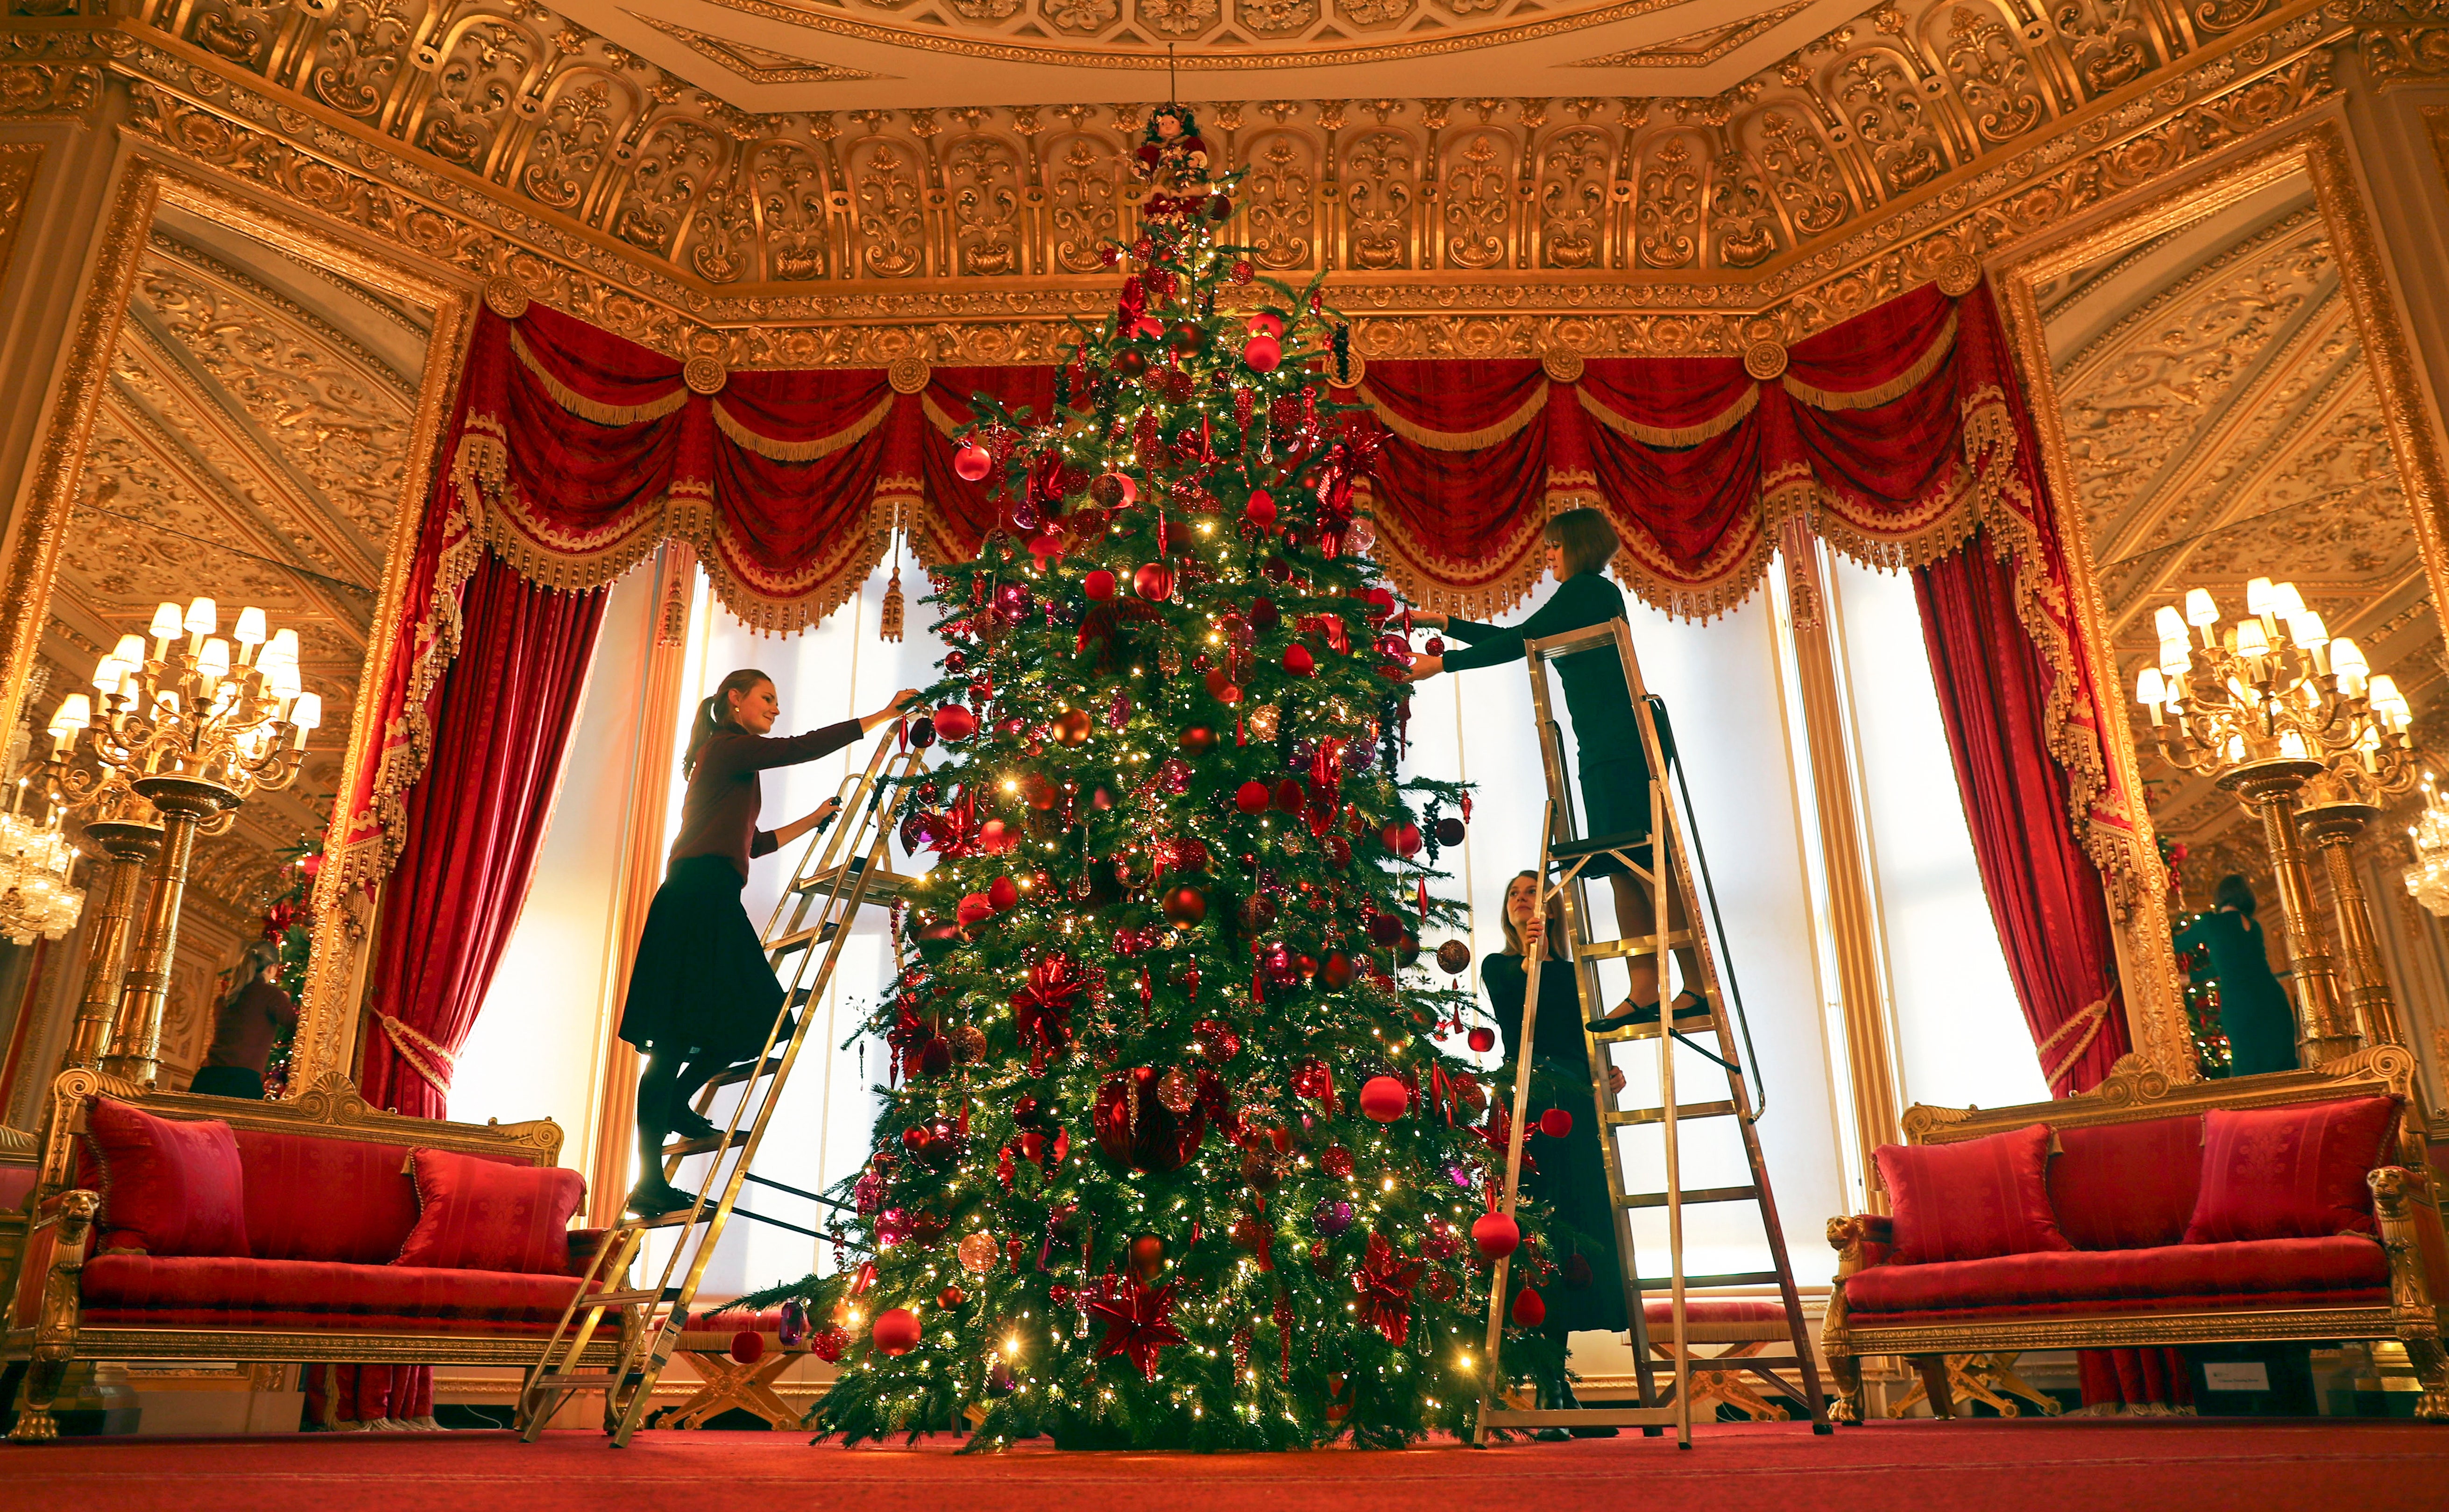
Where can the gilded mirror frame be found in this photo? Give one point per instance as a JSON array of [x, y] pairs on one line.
[[325, 1035], [2317, 150]]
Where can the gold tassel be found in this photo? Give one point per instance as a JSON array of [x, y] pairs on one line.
[[888, 624]]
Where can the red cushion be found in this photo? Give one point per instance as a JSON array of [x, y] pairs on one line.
[[309, 1199], [479, 1215], [2344, 1262], [2127, 1186], [168, 1186], [2290, 1172], [1971, 1200], [2219, 1306], [133, 1290]]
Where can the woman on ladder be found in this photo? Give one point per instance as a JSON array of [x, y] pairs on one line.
[[1571, 1179], [1613, 769], [701, 993]]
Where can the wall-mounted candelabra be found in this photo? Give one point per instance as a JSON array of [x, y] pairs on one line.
[[2299, 728]]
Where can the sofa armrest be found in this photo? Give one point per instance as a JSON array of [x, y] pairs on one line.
[[584, 1246], [2399, 1205], [1862, 1241], [48, 1275]]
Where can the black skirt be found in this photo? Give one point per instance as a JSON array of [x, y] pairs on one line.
[[701, 984]]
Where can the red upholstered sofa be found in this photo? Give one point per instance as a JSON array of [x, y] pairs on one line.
[[2090, 1223], [297, 1254]]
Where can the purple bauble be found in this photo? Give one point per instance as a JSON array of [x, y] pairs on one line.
[[1458, 1177], [1331, 1217], [1357, 756]]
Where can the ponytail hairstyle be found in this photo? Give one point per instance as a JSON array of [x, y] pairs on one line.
[[714, 712]]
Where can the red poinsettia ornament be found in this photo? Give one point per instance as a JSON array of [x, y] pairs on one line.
[[1385, 1281], [1139, 1320]]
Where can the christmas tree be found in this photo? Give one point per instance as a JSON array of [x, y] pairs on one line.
[[1169, 1156]]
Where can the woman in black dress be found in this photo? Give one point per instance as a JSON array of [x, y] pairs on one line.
[[1572, 1178], [702, 994], [1612, 767], [2253, 1008]]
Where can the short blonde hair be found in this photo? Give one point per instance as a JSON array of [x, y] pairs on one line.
[[1589, 539]]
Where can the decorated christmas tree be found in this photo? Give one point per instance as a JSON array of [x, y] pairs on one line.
[[1169, 1155]]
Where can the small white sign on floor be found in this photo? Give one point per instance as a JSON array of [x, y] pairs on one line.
[[2236, 1376]]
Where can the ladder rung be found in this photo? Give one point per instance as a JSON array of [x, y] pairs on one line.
[[1625, 1117], [1694, 1282], [883, 886], [1621, 1030], [624, 1299], [1634, 950], [1597, 844], [771, 1065], [799, 940], [678, 1218], [712, 1141], [1699, 1194]]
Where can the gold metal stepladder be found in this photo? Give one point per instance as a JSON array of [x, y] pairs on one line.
[[1567, 862], [841, 871]]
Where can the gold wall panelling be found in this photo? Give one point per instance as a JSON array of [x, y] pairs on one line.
[[2222, 392], [248, 411], [1884, 135], [19, 160]]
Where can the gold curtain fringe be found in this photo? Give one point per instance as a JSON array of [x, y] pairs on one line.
[[2089, 1019], [810, 450], [1487, 435], [421, 1055], [941, 418], [1896, 388], [586, 409], [771, 616], [1723, 592], [1690, 435]]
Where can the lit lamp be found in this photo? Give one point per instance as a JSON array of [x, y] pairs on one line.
[[2427, 881], [191, 725], [2265, 708]]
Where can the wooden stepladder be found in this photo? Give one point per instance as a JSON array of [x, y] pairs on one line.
[[1567, 861], [841, 871]]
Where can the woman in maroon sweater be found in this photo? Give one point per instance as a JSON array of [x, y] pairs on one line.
[[702, 994]]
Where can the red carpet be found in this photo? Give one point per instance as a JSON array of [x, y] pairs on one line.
[[2080, 1465]]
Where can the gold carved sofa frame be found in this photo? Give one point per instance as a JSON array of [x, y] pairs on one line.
[[2406, 1203]]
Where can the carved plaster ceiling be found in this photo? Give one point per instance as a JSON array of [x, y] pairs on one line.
[[940, 53], [2221, 425], [250, 448]]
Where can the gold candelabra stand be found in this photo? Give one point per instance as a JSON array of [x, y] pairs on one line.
[[187, 729], [2265, 708]]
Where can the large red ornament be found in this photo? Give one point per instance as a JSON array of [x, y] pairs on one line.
[[1073, 727], [1337, 971], [974, 908], [1185, 905], [953, 723], [1483, 1039], [1528, 1311], [1260, 510], [1298, 662], [895, 1331], [1403, 839], [1384, 1098], [971, 462], [1495, 1236], [1264, 353], [1253, 798], [995, 837], [748, 1345], [1148, 1255], [1002, 893], [1099, 585], [1153, 581], [1555, 1124]]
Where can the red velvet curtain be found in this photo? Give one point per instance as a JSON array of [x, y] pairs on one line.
[[474, 825]]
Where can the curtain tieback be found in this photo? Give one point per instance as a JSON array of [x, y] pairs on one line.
[[2089, 1019], [423, 1055]]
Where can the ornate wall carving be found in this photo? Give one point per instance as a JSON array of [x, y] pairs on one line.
[[19, 162]]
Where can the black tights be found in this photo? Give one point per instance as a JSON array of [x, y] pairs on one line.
[[665, 1087]]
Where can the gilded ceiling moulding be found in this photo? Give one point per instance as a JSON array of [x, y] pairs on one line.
[[382, 166]]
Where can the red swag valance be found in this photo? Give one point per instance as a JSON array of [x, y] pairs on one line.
[[572, 452]]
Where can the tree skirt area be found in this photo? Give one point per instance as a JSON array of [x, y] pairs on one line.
[[2165, 1465]]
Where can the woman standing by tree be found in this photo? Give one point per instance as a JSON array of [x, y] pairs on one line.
[[702, 994]]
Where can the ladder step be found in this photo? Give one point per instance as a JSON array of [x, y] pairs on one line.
[[799, 940], [1597, 844], [1627, 1118], [1621, 1031], [1694, 1283], [1699, 1194], [1635, 948], [712, 1141], [626, 1299], [769, 1066], [679, 1219], [885, 885]]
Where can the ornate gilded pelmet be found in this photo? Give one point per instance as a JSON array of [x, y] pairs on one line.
[[380, 164]]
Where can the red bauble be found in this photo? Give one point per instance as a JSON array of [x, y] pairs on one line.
[[1153, 581], [1454, 957], [1528, 1310], [1495, 1236], [1198, 740], [971, 462], [895, 1331], [1264, 353], [1339, 852], [936, 1057], [748, 1347], [1222, 688], [1260, 510], [1483, 1039], [1555, 1124], [1385, 929], [1403, 839], [1336, 1162], [952, 1296], [1185, 905], [1002, 893], [1253, 798], [1298, 662], [953, 722], [1336, 973], [917, 1139], [1073, 727], [1289, 797], [1384, 1098], [975, 910], [995, 837], [1148, 1255], [1098, 585], [1263, 614]]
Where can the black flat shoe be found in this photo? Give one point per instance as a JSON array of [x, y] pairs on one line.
[[653, 1199], [689, 1124]]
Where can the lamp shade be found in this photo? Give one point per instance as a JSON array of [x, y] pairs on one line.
[[168, 621], [2150, 688], [203, 617], [250, 626], [2200, 609]]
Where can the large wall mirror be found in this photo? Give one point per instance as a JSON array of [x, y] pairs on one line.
[[2224, 443], [256, 437]]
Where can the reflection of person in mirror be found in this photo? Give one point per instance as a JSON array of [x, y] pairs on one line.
[[702, 994], [1613, 769], [251, 1019], [2253, 1010], [1571, 1177]]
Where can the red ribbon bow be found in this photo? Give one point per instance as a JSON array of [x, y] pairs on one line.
[[1138, 1321], [1385, 1281], [1041, 1012]]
